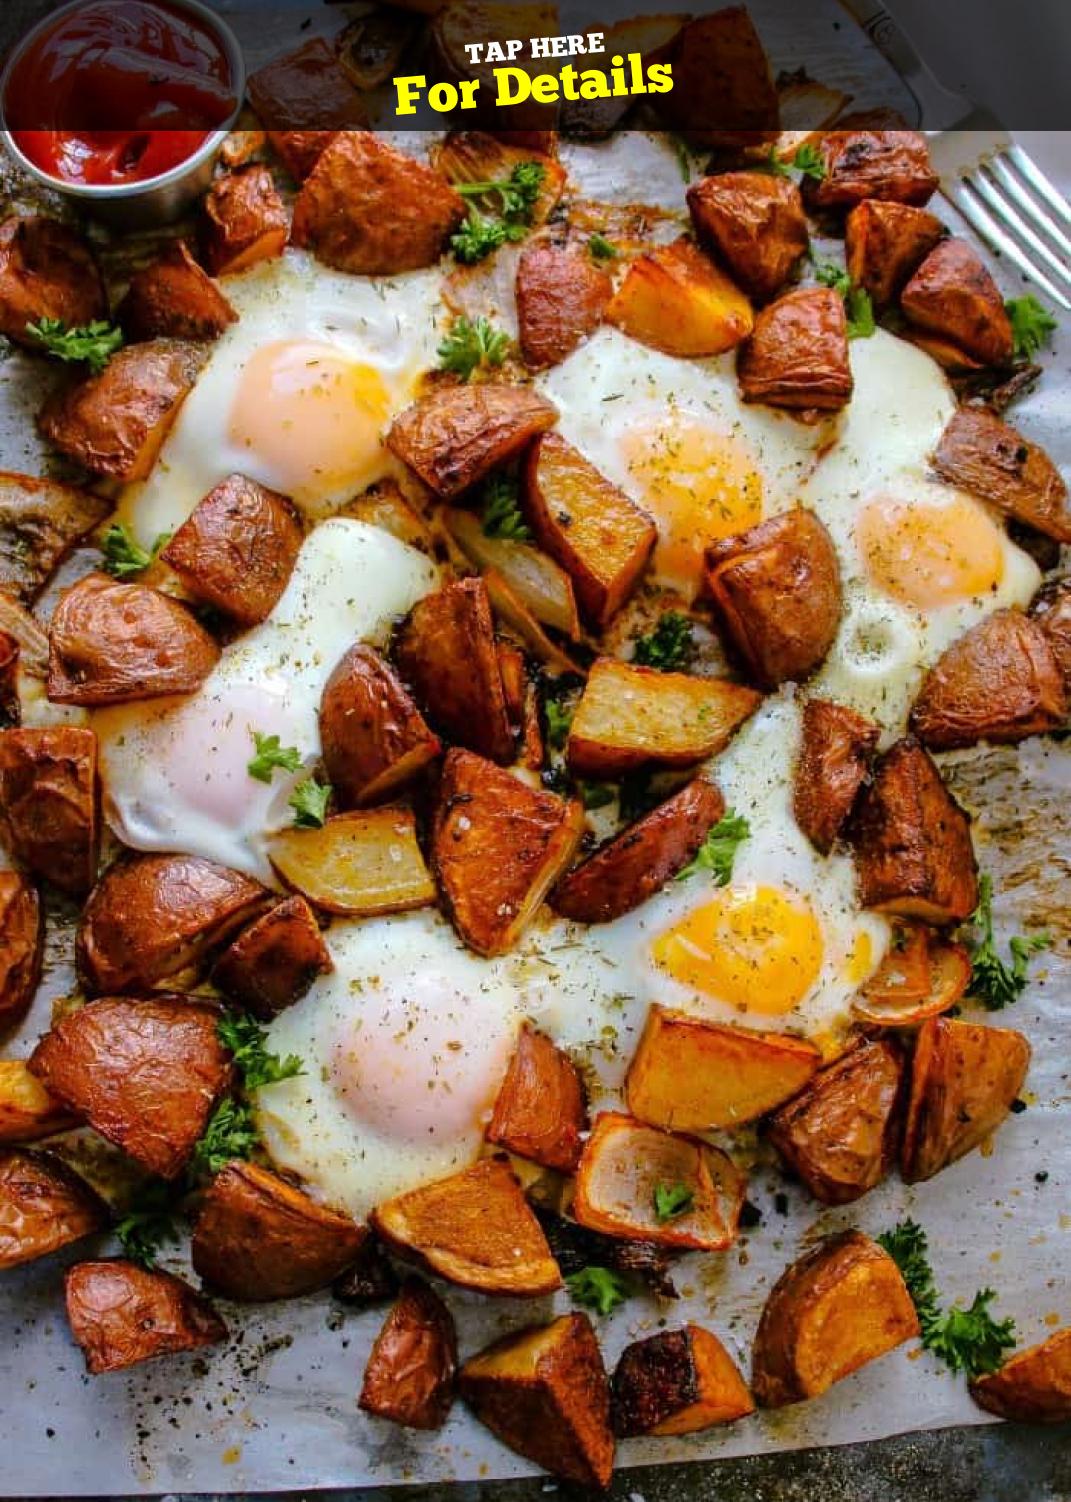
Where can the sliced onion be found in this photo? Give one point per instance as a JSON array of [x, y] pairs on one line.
[[33, 642], [537, 581], [921, 977]]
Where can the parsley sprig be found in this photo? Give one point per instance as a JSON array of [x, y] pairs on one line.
[[124, 557], [269, 755], [857, 305], [516, 195], [671, 1200], [231, 1133], [994, 982], [718, 851], [807, 159], [502, 515], [598, 1288], [669, 647], [1032, 325], [471, 346], [92, 344], [248, 1042], [309, 801], [601, 248], [558, 713], [147, 1223]]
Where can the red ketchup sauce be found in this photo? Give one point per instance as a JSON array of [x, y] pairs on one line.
[[118, 91]]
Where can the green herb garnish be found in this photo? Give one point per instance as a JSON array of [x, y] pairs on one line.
[[309, 801], [994, 982], [718, 851], [601, 248], [516, 194], [558, 717], [270, 755], [231, 1133], [598, 1288], [247, 1041], [595, 794], [147, 1223], [1032, 325], [473, 345], [858, 308], [92, 344], [806, 159], [669, 647], [671, 1200], [123, 554], [502, 515]]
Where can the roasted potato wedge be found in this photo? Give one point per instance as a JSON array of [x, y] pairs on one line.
[[653, 37], [675, 299], [274, 961], [723, 90], [840, 1306], [454, 437], [754, 222], [922, 975], [532, 579], [173, 298], [884, 245], [243, 221], [121, 1314], [412, 1368], [47, 270], [22, 936], [948, 355], [374, 738], [632, 866], [10, 702], [475, 1229], [1051, 608], [695, 1076], [237, 549], [1034, 1386], [993, 461], [835, 750], [369, 1279], [797, 355], [964, 1079], [562, 293], [43, 1205], [912, 841], [40, 521], [27, 1111], [601, 538], [540, 1110], [522, 706], [114, 423], [151, 917], [48, 803], [143, 1073], [384, 506], [543, 1391], [357, 864], [886, 164], [632, 716], [952, 294], [300, 150], [676, 1382], [302, 89]]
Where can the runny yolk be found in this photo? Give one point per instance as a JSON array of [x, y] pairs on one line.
[[930, 555]]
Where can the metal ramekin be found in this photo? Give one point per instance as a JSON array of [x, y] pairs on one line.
[[158, 200]]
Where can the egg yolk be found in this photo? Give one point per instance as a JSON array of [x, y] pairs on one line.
[[929, 555], [699, 485], [311, 419], [756, 948]]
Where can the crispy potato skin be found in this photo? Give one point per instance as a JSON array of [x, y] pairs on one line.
[[453, 438], [755, 223], [152, 916], [174, 299], [835, 749], [48, 803], [374, 738], [40, 521], [145, 1074], [884, 244], [541, 1109], [43, 1205], [1034, 1387], [22, 937], [676, 1382], [892, 165], [1051, 608], [964, 1079], [304, 88], [370, 1279], [497, 846], [121, 1314], [115, 423], [258, 1238], [797, 355], [1001, 681], [111, 642], [47, 270], [993, 461], [953, 294], [368, 209], [675, 299], [839, 1135], [776, 590], [561, 296], [841, 1305], [628, 869], [912, 841], [412, 1369], [274, 961], [27, 1111], [722, 84], [243, 221]]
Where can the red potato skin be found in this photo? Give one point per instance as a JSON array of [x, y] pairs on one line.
[[22, 938], [41, 520], [274, 961], [47, 270], [755, 223], [412, 1369], [49, 803], [835, 749], [121, 1314], [374, 738], [1034, 1386], [797, 353], [987, 457], [455, 437], [44, 1205], [953, 294], [541, 1108], [302, 89], [174, 299], [884, 244], [893, 165], [562, 294], [1051, 608], [243, 221]]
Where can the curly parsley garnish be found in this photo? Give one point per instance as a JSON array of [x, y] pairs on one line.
[[718, 851], [994, 982], [516, 195], [473, 345], [1032, 325], [124, 557], [271, 755], [858, 308], [309, 801], [502, 515], [807, 159], [671, 1200], [248, 1041], [147, 1223], [598, 1288], [601, 248], [231, 1133], [669, 647], [92, 344]]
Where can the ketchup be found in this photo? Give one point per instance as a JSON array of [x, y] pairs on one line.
[[118, 91]]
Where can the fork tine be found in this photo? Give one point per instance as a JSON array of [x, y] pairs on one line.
[[1013, 219], [1000, 169], [977, 215], [1027, 168]]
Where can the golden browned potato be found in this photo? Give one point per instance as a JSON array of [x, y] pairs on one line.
[[953, 294], [777, 596], [696, 1076], [674, 298], [474, 1228], [601, 538], [1000, 681], [151, 917], [631, 716], [636, 863], [369, 209], [383, 505], [274, 961], [652, 37], [522, 705], [22, 937], [625, 1163], [121, 1314], [143, 1073], [300, 150], [886, 164], [237, 549], [456, 21], [912, 841], [841, 1305], [302, 89], [357, 864], [964, 1079], [754, 221], [1034, 1386], [884, 244], [562, 292], [43, 1205], [241, 146], [27, 1111], [40, 521], [114, 423], [173, 298], [676, 1382], [543, 1392], [113, 641], [374, 738], [835, 750], [412, 1368], [243, 221], [540, 1110], [723, 89], [47, 270], [258, 1237], [48, 803], [948, 355], [921, 975], [1051, 608], [457, 435], [477, 156], [797, 355], [993, 461]]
